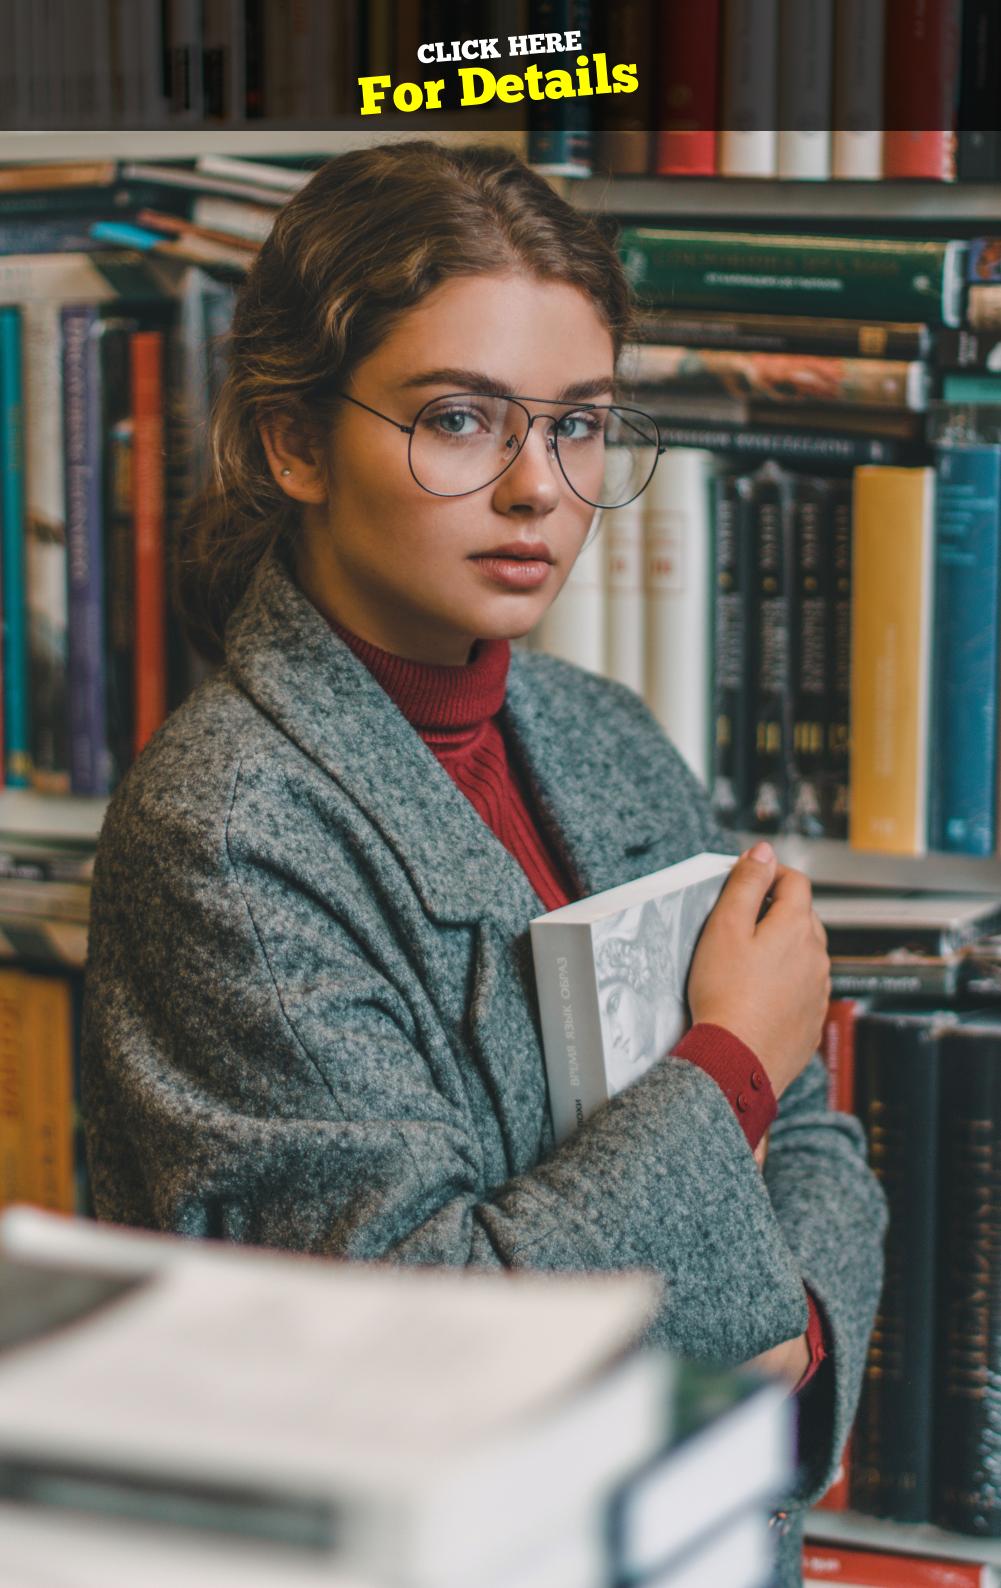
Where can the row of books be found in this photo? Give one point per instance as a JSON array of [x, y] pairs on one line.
[[823, 649], [105, 382], [223, 63], [926, 1083], [41, 1156], [516, 1433], [731, 72]]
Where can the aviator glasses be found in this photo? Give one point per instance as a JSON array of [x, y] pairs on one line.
[[465, 441]]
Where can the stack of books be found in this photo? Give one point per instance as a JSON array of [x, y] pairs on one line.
[[807, 593], [362, 1425]]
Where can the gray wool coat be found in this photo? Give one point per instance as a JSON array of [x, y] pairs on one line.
[[310, 1018]]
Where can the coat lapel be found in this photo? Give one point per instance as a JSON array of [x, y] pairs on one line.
[[285, 655]]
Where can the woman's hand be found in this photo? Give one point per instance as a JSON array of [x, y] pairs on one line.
[[768, 981]]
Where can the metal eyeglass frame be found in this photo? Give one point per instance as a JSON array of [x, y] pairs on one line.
[[553, 439]]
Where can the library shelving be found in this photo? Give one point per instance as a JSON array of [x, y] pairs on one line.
[[911, 1538], [718, 200]]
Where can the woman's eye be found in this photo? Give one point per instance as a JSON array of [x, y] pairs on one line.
[[454, 422], [578, 427]]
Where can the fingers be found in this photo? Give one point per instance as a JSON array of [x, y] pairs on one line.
[[792, 889], [748, 883]]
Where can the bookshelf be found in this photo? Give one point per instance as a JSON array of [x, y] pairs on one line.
[[917, 1538], [172, 144], [784, 203], [691, 198]]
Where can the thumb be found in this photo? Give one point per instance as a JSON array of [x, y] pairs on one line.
[[748, 884]]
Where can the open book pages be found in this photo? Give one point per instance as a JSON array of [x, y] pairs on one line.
[[611, 972]]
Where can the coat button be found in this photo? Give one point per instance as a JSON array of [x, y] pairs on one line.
[[742, 1102], [781, 1522], [757, 1080]]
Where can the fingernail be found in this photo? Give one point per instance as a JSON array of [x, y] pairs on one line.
[[763, 852]]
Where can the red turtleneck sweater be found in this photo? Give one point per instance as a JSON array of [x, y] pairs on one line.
[[456, 711]]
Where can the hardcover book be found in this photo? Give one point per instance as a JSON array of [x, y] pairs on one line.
[[897, 1099], [611, 972]]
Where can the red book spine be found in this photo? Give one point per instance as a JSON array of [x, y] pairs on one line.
[[837, 1048], [688, 50], [150, 591], [823, 1563], [921, 84]]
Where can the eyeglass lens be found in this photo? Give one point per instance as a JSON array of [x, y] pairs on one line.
[[464, 441]]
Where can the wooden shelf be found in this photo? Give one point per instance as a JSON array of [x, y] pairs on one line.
[[188, 143], [669, 198], [914, 1538], [838, 865]]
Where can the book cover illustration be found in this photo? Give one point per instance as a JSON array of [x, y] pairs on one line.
[[611, 972]]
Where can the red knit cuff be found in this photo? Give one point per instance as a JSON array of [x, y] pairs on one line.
[[815, 1339], [737, 1073]]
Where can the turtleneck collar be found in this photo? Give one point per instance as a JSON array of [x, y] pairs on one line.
[[433, 695]]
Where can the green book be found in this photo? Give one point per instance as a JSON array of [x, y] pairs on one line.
[[859, 277], [972, 388]]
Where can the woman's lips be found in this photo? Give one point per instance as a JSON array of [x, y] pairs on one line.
[[515, 573]]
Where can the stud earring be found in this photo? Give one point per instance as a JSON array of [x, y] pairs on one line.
[[286, 471]]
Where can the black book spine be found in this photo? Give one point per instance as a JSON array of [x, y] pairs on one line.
[[732, 676], [963, 349], [978, 156], [967, 1484], [253, 23], [838, 757], [771, 745], [812, 626], [897, 1085]]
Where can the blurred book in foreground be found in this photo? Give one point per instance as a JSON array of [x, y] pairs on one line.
[[361, 1424]]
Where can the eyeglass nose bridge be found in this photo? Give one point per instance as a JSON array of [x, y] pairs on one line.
[[550, 439]]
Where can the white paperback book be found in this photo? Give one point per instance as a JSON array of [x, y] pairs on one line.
[[611, 973], [678, 591]]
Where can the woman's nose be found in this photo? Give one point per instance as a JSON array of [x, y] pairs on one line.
[[533, 482]]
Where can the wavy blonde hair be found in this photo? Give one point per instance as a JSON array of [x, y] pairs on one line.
[[367, 238]]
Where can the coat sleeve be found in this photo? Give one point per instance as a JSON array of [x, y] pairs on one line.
[[250, 1072]]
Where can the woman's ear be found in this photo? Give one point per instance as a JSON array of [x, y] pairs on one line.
[[294, 464]]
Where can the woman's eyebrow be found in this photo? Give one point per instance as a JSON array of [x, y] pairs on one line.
[[475, 380]]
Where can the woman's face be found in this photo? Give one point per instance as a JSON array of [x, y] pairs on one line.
[[399, 566], [629, 1021]]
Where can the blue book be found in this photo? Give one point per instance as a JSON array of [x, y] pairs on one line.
[[90, 757], [17, 744], [963, 770]]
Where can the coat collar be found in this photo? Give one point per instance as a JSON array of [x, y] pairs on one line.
[[284, 654]]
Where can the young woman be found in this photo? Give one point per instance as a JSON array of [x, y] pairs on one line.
[[310, 1017]]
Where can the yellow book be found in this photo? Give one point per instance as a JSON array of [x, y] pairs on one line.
[[48, 1047], [893, 554], [12, 1104]]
